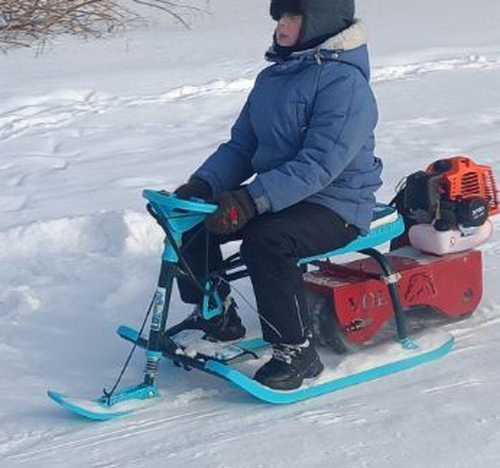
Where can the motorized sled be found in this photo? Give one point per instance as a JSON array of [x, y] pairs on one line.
[[351, 305]]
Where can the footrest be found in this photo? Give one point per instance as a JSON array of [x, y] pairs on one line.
[[226, 352]]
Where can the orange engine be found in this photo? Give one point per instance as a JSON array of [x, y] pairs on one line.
[[463, 179]]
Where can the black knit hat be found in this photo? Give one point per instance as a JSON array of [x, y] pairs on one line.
[[322, 18]]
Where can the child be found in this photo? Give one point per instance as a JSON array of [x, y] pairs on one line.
[[306, 132]]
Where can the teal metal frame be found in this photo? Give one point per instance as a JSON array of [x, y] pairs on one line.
[[176, 216]]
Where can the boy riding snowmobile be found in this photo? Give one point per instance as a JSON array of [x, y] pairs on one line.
[[306, 131]]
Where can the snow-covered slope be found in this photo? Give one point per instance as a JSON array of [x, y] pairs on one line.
[[86, 126]]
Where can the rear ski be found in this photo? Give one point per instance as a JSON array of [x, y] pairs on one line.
[[237, 362]]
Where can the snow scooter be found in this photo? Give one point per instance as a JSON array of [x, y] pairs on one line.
[[349, 305]]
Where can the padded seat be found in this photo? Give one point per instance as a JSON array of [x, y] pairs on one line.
[[386, 225]]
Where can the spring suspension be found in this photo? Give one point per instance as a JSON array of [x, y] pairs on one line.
[[152, 367]]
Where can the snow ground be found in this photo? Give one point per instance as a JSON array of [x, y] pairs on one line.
[[85, 127]]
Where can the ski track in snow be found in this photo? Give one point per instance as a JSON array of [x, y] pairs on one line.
[[93, 440], [63, 108], [453, 386], [24, 449]]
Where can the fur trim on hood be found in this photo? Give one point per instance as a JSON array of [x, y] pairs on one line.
[[351, 38]]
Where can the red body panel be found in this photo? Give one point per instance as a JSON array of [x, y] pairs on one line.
[[452, 285]]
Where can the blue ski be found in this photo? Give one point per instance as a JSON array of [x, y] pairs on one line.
[[347, 371], [340, 371]]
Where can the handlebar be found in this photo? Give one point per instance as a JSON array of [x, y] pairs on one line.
[[174, 214]]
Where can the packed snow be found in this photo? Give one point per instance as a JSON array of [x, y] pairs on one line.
[[86, 126]]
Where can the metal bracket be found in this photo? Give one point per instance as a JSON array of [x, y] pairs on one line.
[[392, 279]]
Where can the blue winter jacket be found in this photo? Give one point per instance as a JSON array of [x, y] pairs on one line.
[[306, 131]]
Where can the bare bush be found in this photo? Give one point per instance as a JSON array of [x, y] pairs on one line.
[[25, 22], [175, 9]]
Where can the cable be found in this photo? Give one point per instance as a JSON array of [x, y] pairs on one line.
[[108, 395], [249, 304]]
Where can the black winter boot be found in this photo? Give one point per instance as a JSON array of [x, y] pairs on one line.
[[225, 327], [289, 366]]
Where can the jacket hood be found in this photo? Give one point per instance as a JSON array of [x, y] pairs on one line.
[[348, 46]]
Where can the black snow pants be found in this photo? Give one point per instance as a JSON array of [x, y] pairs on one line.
[[272, 244]]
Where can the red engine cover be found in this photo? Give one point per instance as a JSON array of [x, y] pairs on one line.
[[452, 285]]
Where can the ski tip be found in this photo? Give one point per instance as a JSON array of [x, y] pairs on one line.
[[97, 410], [89, 409]]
